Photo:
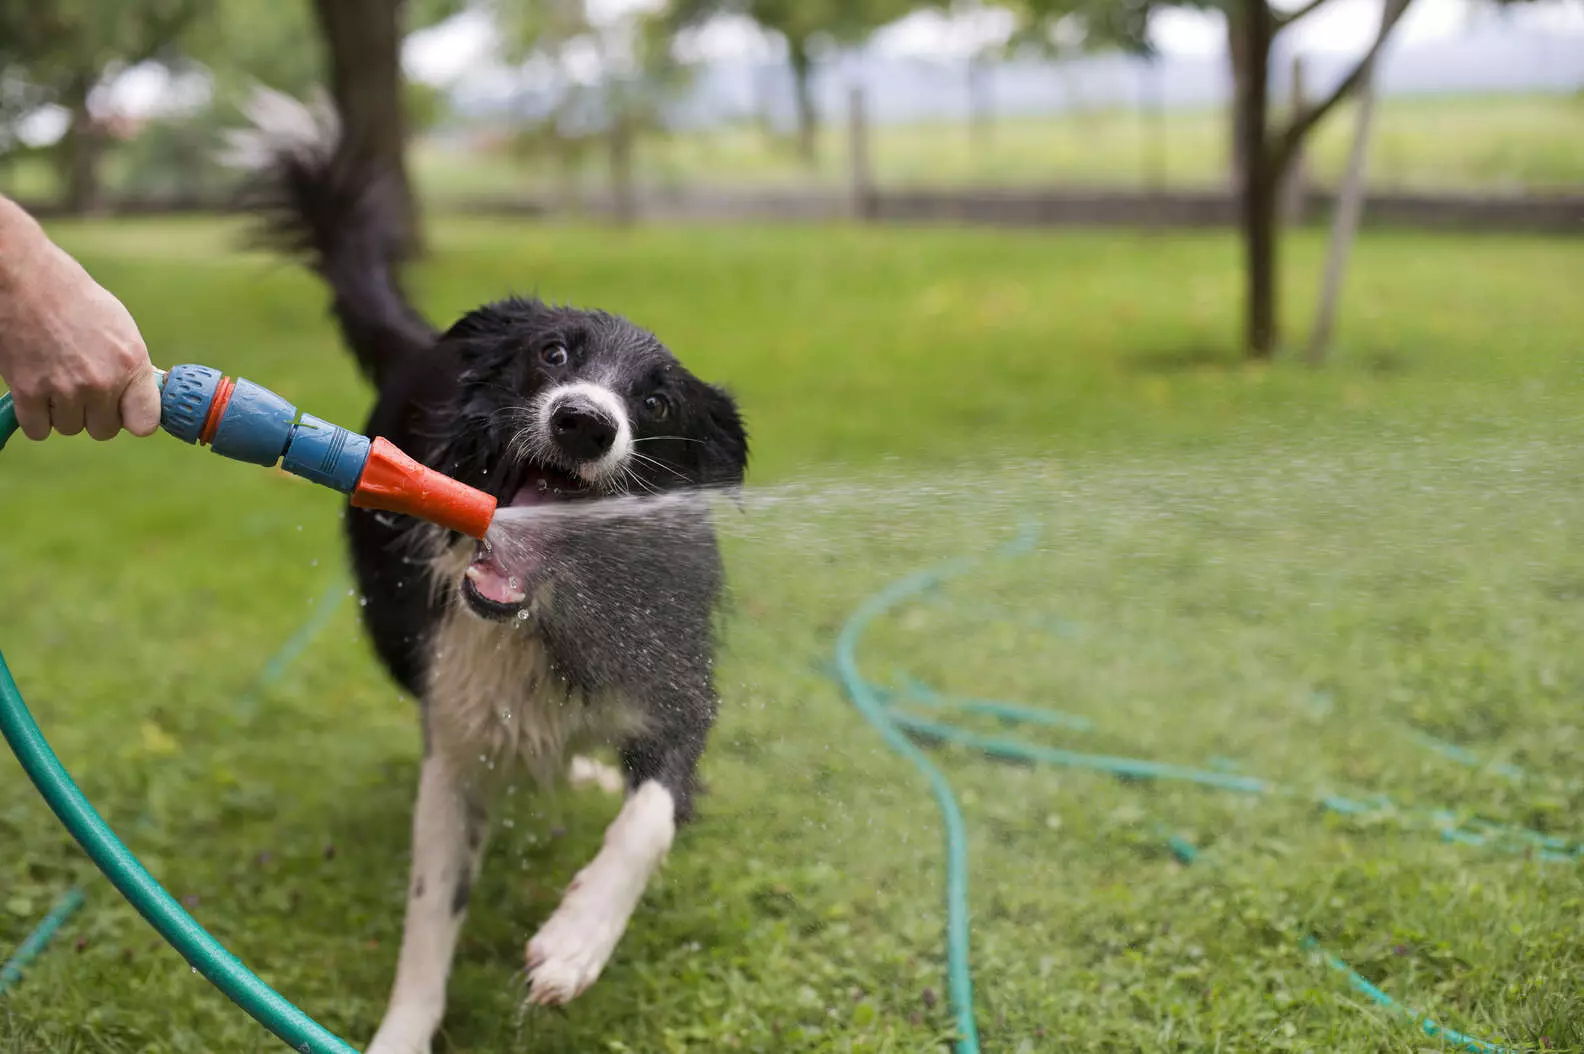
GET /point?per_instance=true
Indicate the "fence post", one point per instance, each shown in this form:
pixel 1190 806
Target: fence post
pixel 1295 188
pixel 624 196
pixel 861 180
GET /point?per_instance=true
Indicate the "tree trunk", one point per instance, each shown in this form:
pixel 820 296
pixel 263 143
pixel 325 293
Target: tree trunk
pixel 803 90
pixel 83 146
pixel 363 41
pixel 1261 181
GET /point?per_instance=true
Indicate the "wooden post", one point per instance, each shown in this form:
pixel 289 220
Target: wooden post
pixel 1349 207
pixel 1295 189
pixel 624 199
pixel 980 104
pixel 861 179
pixel 1152 129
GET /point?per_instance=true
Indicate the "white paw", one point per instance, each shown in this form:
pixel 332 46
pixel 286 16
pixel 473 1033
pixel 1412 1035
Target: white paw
pixel 570 950
pixel 585 771
pixel 401 1045
pixel 403 1033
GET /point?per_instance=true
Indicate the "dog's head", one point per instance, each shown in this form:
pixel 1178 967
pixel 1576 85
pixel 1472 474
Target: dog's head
pixel 561 405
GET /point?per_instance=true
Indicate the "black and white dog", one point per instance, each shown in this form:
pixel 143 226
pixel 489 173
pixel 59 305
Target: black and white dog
pixel 596 632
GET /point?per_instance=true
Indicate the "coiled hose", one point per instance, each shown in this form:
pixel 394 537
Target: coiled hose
pixel 205 954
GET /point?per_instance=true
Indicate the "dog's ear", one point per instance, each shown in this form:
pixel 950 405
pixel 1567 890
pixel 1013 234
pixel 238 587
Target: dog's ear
pixel 724 460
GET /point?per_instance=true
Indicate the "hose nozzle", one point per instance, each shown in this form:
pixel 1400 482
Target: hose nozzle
pixel 247 422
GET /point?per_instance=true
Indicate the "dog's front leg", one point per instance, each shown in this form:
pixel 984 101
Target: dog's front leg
pixel 450 824
pixel 570 950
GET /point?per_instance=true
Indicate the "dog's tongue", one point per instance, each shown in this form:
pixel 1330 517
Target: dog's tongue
pixel 495 584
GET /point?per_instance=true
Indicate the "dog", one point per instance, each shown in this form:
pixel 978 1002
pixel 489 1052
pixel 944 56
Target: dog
pixel 597 631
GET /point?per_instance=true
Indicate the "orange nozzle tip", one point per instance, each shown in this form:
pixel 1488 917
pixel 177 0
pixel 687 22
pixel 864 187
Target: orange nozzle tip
pixel 393 482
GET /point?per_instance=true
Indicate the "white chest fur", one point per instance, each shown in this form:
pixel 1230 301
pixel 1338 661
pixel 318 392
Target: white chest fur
pixel 492 698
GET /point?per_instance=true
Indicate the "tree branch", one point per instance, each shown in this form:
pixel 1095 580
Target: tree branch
pixel 1304 122
pixel 1283 21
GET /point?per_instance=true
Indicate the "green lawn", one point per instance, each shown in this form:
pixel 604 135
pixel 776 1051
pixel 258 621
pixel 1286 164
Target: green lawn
pixel 1499 142
pixel 1285 574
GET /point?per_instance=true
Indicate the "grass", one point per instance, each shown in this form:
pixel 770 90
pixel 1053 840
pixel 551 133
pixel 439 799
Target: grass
pixel 1482 142
pixel 1476 142
pixel 1296 572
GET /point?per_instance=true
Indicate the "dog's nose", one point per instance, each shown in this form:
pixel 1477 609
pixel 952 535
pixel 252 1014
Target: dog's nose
pixel 582 431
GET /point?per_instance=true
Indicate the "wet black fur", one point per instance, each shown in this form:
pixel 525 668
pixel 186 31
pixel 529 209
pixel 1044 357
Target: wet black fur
pixel 633 601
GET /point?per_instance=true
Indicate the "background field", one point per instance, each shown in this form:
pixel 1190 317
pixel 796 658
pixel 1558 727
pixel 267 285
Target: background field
pixel 1494 143
pixel 1490 143
pixel 1295 573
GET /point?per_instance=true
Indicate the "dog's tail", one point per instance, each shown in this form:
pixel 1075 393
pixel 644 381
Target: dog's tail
pixel 344 220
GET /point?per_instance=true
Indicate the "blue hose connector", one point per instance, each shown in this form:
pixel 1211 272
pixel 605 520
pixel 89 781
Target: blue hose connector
pixel 245 421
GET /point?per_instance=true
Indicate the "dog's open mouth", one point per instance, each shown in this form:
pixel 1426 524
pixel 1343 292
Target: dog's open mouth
pixel 499 579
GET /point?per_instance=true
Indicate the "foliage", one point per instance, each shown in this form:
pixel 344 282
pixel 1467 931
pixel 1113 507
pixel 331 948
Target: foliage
pixel 245 43
pixel 594 69
pixel 55 44
pixel 796 21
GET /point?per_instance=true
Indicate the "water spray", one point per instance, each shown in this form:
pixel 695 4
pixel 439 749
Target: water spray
pixel 247 422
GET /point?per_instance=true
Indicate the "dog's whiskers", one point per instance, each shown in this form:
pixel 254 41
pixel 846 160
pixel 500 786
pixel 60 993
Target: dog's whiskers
pixel 657 463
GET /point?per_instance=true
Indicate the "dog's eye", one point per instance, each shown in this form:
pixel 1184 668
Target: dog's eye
pixel 554 355
pixel 657 407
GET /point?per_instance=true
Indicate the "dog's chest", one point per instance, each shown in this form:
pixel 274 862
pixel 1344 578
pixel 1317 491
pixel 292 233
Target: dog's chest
pixel 493 698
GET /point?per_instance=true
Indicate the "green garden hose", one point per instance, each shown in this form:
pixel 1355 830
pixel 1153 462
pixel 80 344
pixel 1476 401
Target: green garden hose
pixel 878 706
pixel 301 1032
pixel 196 945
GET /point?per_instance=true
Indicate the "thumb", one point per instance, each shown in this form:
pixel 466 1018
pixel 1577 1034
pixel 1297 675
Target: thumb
pixel 140 403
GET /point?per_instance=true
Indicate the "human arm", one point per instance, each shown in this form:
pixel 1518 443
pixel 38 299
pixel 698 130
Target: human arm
pixel 69 351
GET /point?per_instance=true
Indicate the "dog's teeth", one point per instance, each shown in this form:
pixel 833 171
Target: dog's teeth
pixel 473 572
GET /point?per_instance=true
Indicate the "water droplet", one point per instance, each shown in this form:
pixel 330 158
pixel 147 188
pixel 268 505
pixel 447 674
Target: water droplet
pixel 314 562
pixel 299 526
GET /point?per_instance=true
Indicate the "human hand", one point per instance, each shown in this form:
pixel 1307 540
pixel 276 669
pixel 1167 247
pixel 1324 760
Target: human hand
pixel 71 353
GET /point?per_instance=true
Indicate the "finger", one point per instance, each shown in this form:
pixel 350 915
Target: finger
pixel 66 414
pixel 140 404
pixel 102 413
pixel 32 413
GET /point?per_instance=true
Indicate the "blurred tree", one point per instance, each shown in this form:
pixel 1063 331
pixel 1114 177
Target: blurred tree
pixel 66 51
pixel 610 76
pixel 803 24
pixel 244 43
pixel 1263 147
pixel 363 40
pixel 19 96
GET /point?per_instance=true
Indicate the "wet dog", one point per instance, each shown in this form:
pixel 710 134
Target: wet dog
pixel 595 632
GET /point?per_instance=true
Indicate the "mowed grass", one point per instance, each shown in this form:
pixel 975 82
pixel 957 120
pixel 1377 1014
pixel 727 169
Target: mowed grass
pixel 1494 143
pixel 1288 574
pixel 1500 143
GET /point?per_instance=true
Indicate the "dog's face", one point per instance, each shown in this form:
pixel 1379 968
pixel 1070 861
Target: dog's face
pixel 561 405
